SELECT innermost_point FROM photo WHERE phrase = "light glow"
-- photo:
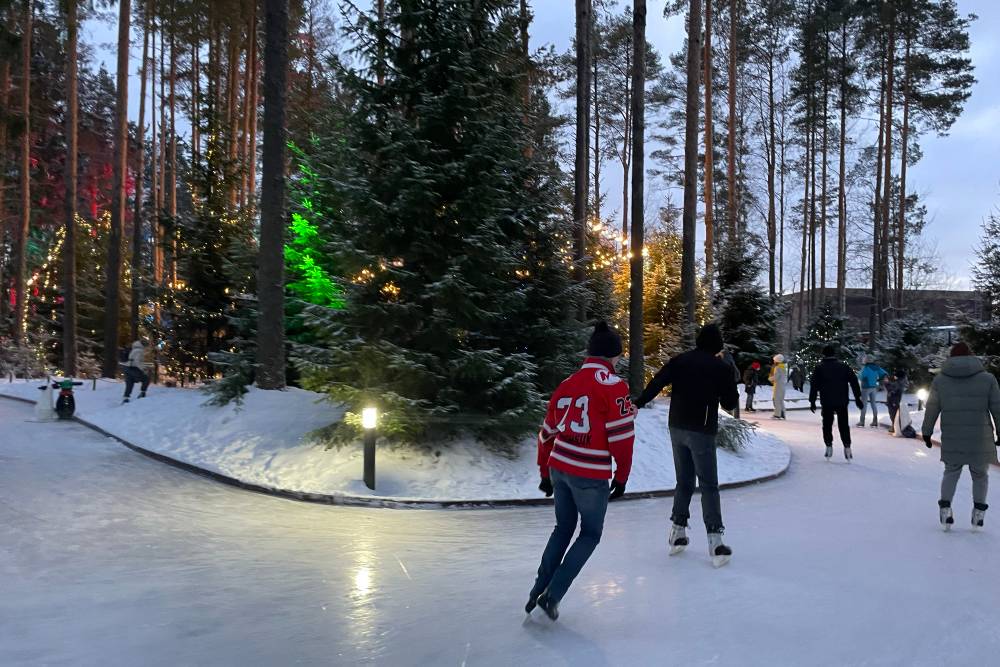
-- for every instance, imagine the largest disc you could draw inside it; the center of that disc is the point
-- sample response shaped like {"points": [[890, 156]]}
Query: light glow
{"points": [[369, 418]]}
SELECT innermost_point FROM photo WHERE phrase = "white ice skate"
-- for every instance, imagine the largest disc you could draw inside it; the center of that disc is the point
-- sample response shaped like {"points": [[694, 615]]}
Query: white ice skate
{"points": [[947, 518], [720, 553], [978, 517], [677, 540]]}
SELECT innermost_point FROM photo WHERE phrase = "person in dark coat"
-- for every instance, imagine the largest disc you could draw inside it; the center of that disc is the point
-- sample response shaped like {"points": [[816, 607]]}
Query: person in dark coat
{"points": [[727, 357], [967, 398], [751, 378], [701, 382], [894, 391], [797, 378], [830, 380]]}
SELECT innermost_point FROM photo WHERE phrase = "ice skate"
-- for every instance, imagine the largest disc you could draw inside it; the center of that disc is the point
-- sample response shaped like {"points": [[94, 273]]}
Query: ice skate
{"points": [[829, 452], [945, 515], [848, 454], [678, 540], [978, 516], [550, 607], [125, 400], [532, 603], [720, 553], [142, 394]]}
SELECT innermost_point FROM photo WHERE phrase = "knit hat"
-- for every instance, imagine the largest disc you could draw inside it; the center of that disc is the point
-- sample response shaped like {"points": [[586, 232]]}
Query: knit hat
{"points": [[779, 358], [961, 350], [755, 365], [604, 342], [709, 339], [829, 351]]}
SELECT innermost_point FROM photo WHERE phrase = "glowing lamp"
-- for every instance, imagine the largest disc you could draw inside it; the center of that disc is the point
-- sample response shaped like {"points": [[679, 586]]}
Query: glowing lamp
{"points": [[922, 395], [369, 418]]}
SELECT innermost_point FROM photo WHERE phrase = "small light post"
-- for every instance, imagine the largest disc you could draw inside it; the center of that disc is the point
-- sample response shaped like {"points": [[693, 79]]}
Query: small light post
{"points": [[921, 398], [369, 421]]}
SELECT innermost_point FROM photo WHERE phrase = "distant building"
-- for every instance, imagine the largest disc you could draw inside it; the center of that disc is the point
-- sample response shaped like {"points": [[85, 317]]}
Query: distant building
{"points": [[938, 305]]}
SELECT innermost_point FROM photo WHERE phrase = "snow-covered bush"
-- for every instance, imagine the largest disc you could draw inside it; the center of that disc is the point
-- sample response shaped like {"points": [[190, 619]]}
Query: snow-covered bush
{"points": [[734, 434]]}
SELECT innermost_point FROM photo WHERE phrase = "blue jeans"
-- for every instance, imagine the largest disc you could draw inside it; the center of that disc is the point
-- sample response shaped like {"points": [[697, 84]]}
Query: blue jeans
{"points": [[868, 397], [574, 497]]}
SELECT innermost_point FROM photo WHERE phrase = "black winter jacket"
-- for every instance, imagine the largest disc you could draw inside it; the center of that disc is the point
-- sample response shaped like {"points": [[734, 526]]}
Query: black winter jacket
{"points": [[701, 381], [831, 380]]}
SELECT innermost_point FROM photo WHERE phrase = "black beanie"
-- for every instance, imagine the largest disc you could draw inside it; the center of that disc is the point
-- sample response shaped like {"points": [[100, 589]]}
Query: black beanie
{"points": [[604, 342], [709, 339], [829, 351]]}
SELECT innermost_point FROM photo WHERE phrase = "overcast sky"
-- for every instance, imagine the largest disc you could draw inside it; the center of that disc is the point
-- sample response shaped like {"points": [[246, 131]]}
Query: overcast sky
{"points": [[958, 178]]}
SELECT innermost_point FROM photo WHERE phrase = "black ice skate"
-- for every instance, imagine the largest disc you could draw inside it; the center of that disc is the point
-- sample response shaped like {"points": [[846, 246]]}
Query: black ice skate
{"points": [[829, 452], [550, 607]]}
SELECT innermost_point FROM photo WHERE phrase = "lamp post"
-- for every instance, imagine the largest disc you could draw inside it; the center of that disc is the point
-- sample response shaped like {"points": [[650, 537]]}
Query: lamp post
{"points": [[921, 398], [369, 420]]}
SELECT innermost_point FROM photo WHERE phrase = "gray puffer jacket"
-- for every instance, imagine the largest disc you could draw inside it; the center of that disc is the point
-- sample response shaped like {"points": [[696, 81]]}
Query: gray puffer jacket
{"points": [[965, 396]]}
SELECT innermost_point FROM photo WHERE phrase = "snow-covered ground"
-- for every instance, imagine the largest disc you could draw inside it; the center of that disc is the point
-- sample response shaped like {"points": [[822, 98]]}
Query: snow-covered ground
{"points": [[110, 558], [266, 443]]}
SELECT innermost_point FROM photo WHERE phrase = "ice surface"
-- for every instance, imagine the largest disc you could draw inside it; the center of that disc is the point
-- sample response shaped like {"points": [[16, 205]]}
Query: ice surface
{"points": [[263, 443], [109, 558]]}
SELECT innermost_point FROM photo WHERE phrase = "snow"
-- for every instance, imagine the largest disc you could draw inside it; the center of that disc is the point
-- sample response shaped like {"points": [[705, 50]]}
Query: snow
{"points": [[110, 558], [267, 443]]}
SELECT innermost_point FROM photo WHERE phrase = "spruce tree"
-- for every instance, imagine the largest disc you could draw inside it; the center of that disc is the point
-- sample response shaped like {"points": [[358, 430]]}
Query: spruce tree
{"points": [[450, 238], [986, 272], [826, 328], [910, 344], [748, 314]]}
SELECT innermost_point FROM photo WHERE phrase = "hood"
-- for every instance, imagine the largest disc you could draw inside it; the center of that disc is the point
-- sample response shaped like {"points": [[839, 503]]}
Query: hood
{"points": [[137, 345], [962, 367], [871, 364], [709, 339]]}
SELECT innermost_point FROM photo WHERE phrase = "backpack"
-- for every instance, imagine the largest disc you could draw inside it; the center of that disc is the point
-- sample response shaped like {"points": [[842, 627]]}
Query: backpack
{"points": [[908, 431]]}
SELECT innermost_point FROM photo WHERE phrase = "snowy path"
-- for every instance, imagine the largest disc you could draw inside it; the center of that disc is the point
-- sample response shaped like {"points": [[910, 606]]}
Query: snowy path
{"points": [[109, 558]]}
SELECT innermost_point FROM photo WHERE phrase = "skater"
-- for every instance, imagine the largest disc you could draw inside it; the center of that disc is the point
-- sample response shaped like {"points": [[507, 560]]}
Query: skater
{"points": [[831, 380], [872, 376], [779, 379], [701, 382], [967, 398], [751, 379], [894, 390], [797, 378], [588, 423], [135, 371]]}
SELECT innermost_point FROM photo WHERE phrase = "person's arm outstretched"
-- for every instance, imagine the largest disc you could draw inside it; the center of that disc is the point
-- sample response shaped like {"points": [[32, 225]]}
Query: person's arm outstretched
{"points": [[656, 385]]}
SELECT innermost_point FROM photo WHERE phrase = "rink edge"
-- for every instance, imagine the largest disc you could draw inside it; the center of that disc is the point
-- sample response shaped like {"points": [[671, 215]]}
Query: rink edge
{"points": [[385, 503]]}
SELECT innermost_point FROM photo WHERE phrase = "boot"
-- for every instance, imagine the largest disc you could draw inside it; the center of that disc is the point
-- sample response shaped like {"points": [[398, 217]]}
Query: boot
{"points": [[550, 607], [979, 515], [677, 540], [945, 515], [848, 454], [142, 394], [720, 553], [829, 452]]}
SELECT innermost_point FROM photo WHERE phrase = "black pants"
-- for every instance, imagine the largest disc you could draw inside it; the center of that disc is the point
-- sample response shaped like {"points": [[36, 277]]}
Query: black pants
{"points": [[750, 393], [694, 457], [843, 425], [133, 375]]}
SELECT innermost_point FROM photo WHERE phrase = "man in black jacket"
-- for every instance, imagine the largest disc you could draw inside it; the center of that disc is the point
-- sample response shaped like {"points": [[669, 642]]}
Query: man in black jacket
{"points": [[701, 380], [831, 379]]}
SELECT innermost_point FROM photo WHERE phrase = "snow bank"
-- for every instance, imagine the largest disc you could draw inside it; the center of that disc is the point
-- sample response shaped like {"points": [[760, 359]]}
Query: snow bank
{"points": [[266, 443]]}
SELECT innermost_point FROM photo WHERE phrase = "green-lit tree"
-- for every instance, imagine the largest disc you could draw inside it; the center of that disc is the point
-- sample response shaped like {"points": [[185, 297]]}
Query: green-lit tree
{"points": [[450, 240]]}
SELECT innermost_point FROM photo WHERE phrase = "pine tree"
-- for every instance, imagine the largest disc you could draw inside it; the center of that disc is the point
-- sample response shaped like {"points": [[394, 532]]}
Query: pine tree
{"points": [[909, 343], [827, 327], [986, 272], [451, 240], [748, 314]]}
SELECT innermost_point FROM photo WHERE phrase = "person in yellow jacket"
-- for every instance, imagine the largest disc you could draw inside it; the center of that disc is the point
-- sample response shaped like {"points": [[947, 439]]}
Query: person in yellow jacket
{"points": [[779, 379]]}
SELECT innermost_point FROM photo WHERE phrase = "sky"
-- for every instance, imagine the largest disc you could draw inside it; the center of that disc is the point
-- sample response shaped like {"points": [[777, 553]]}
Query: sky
{"points": [[958, 177]]}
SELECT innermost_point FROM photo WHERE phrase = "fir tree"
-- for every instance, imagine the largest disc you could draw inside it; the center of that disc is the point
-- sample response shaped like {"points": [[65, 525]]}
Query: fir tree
{"points": [[909, 344], [986, 272], [450, 234], [826, 328], [749, 316]]}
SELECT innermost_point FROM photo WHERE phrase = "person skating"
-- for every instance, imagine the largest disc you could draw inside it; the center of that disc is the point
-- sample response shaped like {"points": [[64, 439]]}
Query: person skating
{"points": [[779, 379], [701, 381], [831, 380], [751, 378], [967, 398], [589, 422], [894, 390], [872, 375], [798, 378], [135, 371]]}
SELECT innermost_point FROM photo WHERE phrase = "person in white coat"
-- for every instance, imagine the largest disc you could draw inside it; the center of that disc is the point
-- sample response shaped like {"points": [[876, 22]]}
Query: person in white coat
{"points": [[135, 371], [779, 379]]}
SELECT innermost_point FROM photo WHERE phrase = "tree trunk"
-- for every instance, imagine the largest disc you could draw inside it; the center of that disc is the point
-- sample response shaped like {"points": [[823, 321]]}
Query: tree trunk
{"points": [[271, 261], [887, 178], [781, 199], [771, 160], [905, 139], [823, 201], [636, 367], [626, 157], [597, 125], [842, 181], [709, 153], [112, 290], [172, 156], [5, 105], [254, 112], [232, 78], [21, 276], [582, 169], [380, 13], [154, 172], [70, 180], [812, 211], [244, 152], [140, 169], [731, 175], [877, 222], [804, 257], [690, 217]]}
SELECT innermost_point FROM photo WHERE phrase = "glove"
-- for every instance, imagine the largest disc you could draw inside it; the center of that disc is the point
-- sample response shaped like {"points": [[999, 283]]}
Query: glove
{"points": [[857, 402], [812, 407], [636, 404], [546, 486], [617, 490], [927, 441]]}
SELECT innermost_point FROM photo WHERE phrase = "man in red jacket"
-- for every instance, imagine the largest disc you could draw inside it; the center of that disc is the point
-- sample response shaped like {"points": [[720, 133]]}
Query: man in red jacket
{"points": [[588, 423]]}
